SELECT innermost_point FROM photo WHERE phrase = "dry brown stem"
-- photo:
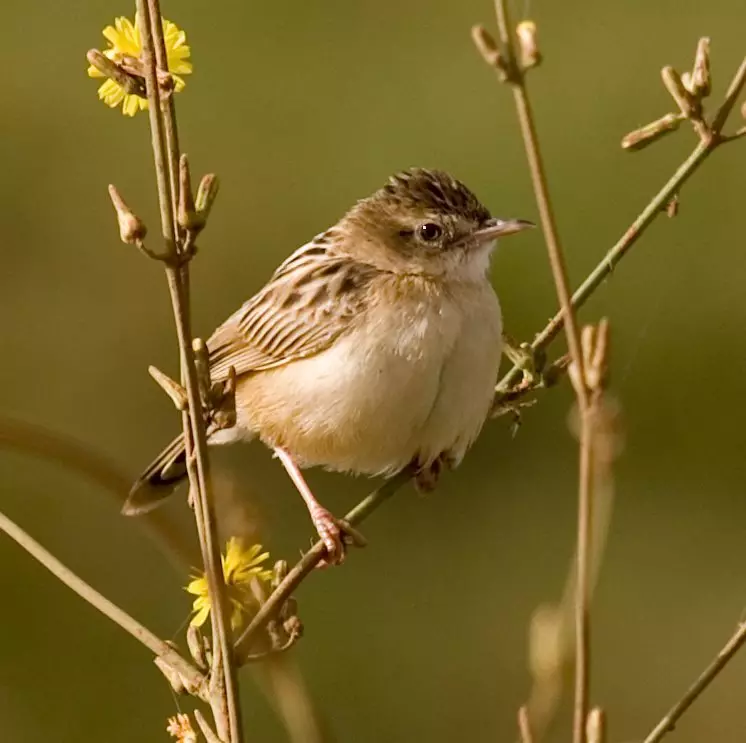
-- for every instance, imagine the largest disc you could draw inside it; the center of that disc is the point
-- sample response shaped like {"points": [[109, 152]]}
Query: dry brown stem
{"points": [[190, 677], [223, 678], [668, 723]]}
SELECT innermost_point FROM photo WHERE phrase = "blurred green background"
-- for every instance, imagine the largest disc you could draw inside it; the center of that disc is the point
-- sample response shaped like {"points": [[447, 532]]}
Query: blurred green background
{"points": [[301, 108]]}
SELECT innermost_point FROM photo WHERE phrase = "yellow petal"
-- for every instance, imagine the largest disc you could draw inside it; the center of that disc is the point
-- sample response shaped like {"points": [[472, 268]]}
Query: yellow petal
{"points": [[111, 93], [93, 72], [111, 35], [130, 106], [200, 617], [198, 586], [129, 39], [179, 67]]}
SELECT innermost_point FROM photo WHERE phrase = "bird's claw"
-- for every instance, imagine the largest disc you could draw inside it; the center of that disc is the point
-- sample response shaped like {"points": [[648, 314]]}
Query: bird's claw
{"points": [[337, 535]]}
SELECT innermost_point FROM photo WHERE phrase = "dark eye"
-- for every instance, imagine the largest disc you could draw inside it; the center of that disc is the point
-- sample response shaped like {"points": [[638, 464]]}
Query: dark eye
{"points": [[430, 231]]}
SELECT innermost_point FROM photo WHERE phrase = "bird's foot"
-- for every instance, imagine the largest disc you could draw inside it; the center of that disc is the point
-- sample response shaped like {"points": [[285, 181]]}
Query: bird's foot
{"points": [[531, 362], [427, 477], [336, 534]]}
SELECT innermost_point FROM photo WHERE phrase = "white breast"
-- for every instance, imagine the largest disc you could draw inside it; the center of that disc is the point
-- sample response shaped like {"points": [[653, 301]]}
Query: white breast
{"points": [[404, 384]]}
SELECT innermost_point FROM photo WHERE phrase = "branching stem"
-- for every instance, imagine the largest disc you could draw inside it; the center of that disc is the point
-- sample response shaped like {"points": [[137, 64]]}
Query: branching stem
{"points": [[166, 156]]}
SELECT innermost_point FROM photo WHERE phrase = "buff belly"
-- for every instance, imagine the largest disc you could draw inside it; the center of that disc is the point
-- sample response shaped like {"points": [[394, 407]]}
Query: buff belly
{"points": [[412, 385]]}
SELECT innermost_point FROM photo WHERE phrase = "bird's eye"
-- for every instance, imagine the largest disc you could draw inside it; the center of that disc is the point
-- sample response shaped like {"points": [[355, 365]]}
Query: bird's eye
{"points": [[430, 231]]}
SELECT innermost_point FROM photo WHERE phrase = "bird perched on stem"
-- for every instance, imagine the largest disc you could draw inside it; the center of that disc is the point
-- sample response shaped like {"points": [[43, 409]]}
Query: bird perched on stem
{"points": [[373, 347]]}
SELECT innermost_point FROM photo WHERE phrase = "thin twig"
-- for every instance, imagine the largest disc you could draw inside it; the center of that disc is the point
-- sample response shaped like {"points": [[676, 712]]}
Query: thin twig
{"points": [[192, 678], [166, 159], [308, 562], [517, 81], [667, 724], [582, 587], [644, 219]]}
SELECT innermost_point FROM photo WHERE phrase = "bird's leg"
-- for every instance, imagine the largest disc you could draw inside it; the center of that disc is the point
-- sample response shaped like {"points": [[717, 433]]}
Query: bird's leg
{"points": [[335, 534]]}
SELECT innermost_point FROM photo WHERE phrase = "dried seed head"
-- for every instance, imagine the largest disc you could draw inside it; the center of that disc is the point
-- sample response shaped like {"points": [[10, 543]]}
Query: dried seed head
{"points": [[132, 229], [530, 54]]}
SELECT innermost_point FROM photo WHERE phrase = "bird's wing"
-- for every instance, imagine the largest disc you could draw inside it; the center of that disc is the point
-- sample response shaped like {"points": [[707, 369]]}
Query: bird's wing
{"points": [[306, 305]]}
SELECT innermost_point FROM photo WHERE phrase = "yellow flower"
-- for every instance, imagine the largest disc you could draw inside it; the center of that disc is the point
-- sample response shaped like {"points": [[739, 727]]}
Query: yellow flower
{"points": [[240, 567], [124, 40]]}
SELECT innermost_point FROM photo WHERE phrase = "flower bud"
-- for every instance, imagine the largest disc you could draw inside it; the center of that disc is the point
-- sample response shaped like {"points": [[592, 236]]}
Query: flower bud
{"points": [[530, 54], [672, 80], [489, 50], [649, 133], [186, 214], [206, 193], [132, 229], [700, 79]]}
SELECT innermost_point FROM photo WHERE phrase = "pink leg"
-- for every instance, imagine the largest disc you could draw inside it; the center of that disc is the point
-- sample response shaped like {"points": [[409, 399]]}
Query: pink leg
{"points": [[329, 529]]}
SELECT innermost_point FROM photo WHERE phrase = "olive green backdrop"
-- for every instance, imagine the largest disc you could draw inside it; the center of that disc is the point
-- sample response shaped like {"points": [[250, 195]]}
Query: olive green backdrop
{"points": [[302, 108]]}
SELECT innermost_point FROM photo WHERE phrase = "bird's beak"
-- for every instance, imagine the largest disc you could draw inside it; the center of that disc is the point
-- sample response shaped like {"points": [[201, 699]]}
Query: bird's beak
{"points": [[494, 228]]}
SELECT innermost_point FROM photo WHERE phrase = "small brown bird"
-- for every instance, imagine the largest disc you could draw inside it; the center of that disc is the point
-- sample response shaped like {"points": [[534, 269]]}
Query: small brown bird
{"points": [[373, 347]]}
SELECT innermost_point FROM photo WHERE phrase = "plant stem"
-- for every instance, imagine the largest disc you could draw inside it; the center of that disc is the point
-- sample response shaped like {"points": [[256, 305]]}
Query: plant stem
{"points": [[583, 586], [517, 81], [190, 675], [643, 220], [667, 724], [166, 157], [308, 562]]}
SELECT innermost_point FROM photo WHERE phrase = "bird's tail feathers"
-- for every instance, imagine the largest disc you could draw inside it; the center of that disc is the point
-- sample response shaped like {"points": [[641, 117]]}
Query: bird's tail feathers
{"points": [[159, 480]]}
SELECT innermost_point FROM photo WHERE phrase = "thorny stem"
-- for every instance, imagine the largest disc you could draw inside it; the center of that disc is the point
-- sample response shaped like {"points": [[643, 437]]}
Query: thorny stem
{"points": [[192, 678], [166, 156], [667, 724], [517, 81]]}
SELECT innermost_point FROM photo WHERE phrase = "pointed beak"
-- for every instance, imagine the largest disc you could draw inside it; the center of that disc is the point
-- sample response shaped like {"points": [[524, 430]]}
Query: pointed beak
{"points": [[494, 228]]}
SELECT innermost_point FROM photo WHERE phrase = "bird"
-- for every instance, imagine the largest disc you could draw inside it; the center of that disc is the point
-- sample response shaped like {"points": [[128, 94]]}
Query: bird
{"points": [[374, 347]]}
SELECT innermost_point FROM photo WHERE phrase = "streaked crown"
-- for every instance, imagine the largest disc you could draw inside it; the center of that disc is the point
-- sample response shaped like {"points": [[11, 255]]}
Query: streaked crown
{"points": [[422, 222], [419, 189]]}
